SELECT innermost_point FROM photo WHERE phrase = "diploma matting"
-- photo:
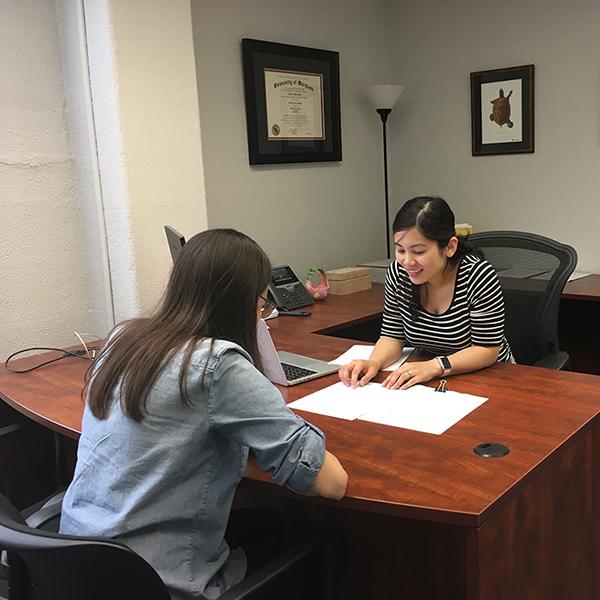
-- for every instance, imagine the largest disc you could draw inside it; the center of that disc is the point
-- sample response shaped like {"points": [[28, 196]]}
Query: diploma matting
{"points": [[294, 105]]}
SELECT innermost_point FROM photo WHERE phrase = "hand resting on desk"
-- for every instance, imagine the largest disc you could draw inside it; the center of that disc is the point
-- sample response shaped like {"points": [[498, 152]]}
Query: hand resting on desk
{"points": [[387, 350], [359, 372], [410, 374]]}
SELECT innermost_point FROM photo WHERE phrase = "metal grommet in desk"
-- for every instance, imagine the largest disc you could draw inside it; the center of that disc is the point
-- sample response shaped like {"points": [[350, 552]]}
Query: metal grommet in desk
{"points": [[491, 450]]}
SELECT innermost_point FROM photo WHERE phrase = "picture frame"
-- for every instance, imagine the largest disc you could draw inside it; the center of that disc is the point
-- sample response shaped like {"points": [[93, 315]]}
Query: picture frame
{"points": [[292, 97], [502, 116]]}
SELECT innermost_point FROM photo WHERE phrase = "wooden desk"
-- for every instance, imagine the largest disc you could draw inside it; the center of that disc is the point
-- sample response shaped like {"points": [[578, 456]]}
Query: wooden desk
{"points": [[579, 323], [424, 517], [585, 288]]}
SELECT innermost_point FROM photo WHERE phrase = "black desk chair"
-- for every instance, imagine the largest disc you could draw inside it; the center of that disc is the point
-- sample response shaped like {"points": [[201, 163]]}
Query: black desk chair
{"points": [[42, 565], [25, 448], [533, 271]]}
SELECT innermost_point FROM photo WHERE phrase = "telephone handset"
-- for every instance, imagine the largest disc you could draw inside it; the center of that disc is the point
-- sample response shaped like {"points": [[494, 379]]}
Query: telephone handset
{"points": [[286, 290]]}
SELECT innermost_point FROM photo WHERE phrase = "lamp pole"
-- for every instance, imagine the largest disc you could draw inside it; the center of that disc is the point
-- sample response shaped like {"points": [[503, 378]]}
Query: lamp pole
{"points": [[383, 113], [383, 98]]}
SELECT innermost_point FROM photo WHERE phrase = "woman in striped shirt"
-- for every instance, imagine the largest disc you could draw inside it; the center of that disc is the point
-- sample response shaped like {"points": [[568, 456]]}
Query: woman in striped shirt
{"points": [[441, 297]]}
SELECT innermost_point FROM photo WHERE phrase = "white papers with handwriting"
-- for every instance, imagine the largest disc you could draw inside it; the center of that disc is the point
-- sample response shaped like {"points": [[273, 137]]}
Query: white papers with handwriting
{"points": [[419, 408], [360, 352]]}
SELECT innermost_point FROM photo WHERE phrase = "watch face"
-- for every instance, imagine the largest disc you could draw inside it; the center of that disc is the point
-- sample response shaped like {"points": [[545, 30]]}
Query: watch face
{"points": [[445, 362]]}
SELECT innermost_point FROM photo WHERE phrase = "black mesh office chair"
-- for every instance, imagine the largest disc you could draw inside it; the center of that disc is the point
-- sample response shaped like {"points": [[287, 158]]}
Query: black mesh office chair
{"points": [[533, 271], [42, 565]]}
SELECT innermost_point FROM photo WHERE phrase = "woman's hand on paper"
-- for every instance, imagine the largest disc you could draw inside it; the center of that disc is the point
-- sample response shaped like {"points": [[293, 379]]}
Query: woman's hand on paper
{"points": [[358, 372], [412, 373]]}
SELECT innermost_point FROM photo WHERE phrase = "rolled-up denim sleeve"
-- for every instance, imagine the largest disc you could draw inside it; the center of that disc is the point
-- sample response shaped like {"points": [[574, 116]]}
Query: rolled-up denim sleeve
{"points": [[245, 407]]}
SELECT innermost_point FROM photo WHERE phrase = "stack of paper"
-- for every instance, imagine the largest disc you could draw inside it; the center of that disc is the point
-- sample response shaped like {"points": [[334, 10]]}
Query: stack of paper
{"points": [[419, 408]]}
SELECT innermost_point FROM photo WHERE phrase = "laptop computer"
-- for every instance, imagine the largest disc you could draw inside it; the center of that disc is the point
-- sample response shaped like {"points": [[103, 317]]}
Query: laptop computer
{"points": [[175, 241], [286, 368]]}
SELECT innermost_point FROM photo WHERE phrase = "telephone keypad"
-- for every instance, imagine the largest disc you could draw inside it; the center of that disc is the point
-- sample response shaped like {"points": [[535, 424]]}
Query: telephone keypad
{"points": [[296, 297]]}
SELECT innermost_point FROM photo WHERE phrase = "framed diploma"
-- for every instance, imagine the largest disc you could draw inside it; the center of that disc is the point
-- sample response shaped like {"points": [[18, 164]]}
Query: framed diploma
{"points": [[292, 103]]}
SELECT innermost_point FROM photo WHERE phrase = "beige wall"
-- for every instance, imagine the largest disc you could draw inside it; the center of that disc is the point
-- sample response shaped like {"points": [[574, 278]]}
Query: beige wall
{"points": [[44, 291], [556, 190], [100, 148], [331, 214], [302, 214]]}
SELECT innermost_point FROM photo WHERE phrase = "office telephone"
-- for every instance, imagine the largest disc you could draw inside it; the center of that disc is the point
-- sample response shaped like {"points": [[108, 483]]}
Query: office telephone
{"points": [[286, 290]]}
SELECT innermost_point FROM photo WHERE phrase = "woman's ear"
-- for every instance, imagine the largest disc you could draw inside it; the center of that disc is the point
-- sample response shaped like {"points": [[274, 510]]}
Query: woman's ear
{"points": [[451, 247]]}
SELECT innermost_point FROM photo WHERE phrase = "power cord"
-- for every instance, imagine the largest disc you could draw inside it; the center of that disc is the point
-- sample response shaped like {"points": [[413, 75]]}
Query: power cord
{"points": [[91, 352], [83, 353]]}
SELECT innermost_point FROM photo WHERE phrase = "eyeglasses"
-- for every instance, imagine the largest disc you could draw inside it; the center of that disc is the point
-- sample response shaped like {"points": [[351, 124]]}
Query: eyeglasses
{"points": [[267, 308]]}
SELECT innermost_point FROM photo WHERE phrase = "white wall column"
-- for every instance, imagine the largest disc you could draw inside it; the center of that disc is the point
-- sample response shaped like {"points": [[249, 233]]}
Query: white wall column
{"points": [[136, 140]]}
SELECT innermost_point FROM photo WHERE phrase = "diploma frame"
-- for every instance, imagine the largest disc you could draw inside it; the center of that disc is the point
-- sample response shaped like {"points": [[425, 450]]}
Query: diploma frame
{"points": [[321, 138]]}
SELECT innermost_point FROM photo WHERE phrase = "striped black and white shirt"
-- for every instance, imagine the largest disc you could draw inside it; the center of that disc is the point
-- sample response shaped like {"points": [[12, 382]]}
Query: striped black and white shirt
{"points": [[475, 316]]}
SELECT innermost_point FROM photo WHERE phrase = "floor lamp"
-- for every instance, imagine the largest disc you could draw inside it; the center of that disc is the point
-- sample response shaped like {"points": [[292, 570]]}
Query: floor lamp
{"points": [[383, 98]]}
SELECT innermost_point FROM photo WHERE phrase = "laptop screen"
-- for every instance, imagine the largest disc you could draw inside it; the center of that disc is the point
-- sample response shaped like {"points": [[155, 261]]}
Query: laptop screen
{"points": [[175, 240]]}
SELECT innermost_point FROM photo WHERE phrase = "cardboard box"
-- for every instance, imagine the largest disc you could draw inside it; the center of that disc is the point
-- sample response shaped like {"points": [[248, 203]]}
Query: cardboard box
{"points": [[378, 269], [348, 280]]}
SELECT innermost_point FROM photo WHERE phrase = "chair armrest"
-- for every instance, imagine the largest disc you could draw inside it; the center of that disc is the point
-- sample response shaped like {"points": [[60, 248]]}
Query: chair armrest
{"points": [[49, 511], [559, 360], [271, 570]]}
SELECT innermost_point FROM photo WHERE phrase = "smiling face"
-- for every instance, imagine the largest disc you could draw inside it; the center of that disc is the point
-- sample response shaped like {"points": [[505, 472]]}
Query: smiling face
{"points": [[422, 258]]}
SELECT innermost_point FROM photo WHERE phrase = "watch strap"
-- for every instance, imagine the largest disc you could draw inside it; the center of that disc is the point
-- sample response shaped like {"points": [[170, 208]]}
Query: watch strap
{"points": [[445, 365]]}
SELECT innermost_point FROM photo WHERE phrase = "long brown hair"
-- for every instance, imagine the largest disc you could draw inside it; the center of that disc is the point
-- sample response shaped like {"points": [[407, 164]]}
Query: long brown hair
{"points": [[212, 294]]}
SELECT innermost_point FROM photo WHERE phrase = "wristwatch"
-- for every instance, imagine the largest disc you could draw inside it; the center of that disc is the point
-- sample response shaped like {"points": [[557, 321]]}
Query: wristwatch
{"points": [[445, 365]]}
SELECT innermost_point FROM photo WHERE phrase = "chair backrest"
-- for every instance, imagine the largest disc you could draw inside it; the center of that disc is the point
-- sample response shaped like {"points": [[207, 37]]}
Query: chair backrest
{"points": [[44, 565], [533, 271]]}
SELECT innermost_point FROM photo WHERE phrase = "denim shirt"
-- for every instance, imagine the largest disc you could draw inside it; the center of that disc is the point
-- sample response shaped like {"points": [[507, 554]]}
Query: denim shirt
{"points": [[165, 486]]}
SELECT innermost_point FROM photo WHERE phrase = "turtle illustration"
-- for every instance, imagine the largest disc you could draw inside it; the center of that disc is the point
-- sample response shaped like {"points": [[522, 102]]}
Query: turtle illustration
{"points": [[501, 109]]}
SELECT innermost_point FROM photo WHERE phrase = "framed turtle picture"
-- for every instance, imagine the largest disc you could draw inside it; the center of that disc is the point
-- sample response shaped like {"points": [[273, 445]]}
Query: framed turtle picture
{"points": [[502, 111]]}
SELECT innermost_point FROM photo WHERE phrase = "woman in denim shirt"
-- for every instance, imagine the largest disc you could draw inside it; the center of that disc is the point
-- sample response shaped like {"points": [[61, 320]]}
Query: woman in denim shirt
{"points": [[173, 405]]}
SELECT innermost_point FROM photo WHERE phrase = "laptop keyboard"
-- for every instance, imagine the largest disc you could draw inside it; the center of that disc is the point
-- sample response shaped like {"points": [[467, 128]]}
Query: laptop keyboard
{"points": [[292, 372]]}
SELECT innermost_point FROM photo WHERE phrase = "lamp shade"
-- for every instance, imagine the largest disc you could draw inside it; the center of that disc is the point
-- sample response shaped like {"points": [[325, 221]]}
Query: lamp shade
{"points": [[384, 96]]}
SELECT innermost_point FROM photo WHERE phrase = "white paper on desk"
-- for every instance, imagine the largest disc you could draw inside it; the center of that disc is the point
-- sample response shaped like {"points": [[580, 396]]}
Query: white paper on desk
{"points": [[337, 400], [577, 275], [422, 409], [419, 408], [360, 352]]}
